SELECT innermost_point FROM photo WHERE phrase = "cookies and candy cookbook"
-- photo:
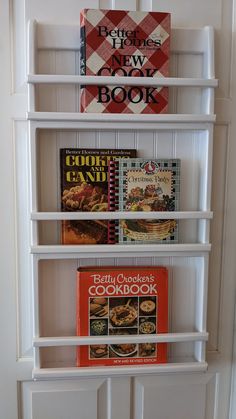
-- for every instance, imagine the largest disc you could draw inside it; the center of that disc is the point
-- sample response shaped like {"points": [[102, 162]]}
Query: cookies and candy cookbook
{"points": [[84, 188], [128, 44], [122, 300]]}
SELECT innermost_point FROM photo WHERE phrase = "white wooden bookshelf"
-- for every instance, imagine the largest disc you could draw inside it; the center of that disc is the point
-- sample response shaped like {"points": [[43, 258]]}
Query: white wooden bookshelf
{"points": [[185, 133]]}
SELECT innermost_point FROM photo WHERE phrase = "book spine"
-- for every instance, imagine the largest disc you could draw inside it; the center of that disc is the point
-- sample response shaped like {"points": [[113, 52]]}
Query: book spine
{"points": [[82, 58], [78, 333], [113, 200]]}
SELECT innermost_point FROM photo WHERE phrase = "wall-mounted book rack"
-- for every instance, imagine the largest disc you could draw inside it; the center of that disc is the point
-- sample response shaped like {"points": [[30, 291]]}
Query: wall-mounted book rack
{"points": [[187, 132]]}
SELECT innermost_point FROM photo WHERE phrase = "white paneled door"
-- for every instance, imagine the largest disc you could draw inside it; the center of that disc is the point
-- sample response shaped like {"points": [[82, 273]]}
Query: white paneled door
{"points": [[179, 395]]}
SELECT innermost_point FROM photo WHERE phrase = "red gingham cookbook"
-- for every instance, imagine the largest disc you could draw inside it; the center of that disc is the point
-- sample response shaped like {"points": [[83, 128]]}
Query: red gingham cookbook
{"points": [[124, 43]]}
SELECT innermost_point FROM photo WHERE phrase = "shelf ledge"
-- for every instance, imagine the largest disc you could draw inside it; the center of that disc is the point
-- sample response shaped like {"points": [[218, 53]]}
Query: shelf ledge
{"points": [[123, 118], [99, 340], [118, 215], [124, 81], [73, 372], [118, 250]]}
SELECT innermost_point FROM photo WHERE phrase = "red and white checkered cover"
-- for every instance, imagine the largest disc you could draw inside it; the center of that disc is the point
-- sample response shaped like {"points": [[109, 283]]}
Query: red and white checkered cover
{"points": [[101, 53]]}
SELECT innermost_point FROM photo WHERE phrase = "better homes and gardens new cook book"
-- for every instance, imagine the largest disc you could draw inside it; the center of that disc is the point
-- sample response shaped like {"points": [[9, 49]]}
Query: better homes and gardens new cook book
{"points": [[124, 43], [122, 300]]}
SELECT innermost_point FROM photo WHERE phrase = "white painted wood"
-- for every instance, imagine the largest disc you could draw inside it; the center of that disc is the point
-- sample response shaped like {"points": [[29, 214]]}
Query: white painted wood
{"points": [[175, 367], [56, 399], [184, 396], [121, 215], [118, 250], [123, 387], [24, 287], [31, 62], [117, 121], [8, 262], [131, 81], [144, 118], [161, 337], [222, 264]]}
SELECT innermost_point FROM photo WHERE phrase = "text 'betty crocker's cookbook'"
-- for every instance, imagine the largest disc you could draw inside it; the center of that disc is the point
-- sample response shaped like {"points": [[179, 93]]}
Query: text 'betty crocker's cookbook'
{"points": [[140, 184], [124, 43], [84, 187], [115, 301]]}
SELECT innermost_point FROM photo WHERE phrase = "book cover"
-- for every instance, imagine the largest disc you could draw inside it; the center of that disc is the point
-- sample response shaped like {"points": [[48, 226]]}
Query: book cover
{"points": [[124, 43], [122, 301], [84, 187], [140, 184]]}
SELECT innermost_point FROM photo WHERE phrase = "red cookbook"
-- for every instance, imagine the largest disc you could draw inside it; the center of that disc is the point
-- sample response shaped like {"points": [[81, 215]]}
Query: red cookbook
{"points": [[113, 301], [124, 43]]}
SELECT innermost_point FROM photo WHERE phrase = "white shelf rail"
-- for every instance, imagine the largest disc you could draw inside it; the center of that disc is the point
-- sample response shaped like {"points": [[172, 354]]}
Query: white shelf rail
{"points": [[161, 215], [42, 342], [136, 119], [70, 372], [118, 250], [124, 81]]}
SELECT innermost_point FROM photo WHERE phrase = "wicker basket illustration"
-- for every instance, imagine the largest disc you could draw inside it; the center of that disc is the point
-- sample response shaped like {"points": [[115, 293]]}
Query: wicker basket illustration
{"points": [[161, 229], [150, 229]]}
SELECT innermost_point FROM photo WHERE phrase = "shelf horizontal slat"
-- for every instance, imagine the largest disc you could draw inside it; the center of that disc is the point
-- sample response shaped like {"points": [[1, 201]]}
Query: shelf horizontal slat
{"points": [[132, 126], [183, 40], [118, 250], [111, 80], [162, 215], [99, 340], [73, 372], [122, 118]]}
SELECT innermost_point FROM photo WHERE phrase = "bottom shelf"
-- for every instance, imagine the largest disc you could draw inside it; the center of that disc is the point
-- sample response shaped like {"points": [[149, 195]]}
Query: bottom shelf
{"points": [[55, 357], [186, 365]]}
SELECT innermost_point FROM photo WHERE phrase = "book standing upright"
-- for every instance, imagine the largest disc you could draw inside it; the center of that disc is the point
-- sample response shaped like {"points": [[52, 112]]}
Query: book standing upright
{"points": [[140, 184], [124, 43], [84, 188], [118, 301]]}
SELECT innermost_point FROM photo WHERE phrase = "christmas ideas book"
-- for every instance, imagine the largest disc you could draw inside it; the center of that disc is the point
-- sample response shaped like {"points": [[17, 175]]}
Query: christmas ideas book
{"points": [[141, 184]]}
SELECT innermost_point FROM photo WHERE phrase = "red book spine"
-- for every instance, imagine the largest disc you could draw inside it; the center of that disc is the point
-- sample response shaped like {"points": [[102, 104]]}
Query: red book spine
{"points": [[113, 201], [82, 58]]}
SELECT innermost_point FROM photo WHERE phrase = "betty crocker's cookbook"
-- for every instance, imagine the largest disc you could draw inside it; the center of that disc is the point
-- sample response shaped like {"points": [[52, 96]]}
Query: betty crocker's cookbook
{"points": [[122, 300], [124, 43]]}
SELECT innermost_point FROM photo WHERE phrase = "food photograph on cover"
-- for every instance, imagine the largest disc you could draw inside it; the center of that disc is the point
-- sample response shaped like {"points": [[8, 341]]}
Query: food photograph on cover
{"points": [[122, 316], [84, 188], [143, 184], [122, 301]]}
